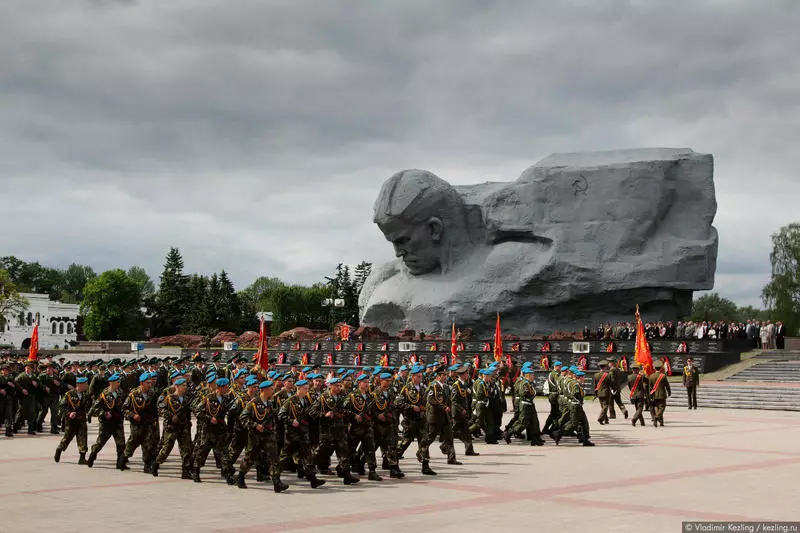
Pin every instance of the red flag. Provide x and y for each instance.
(642, 355)
(385, 360)
(262, 355)
(611, 348)
(33, 350)
(498, 341)
(453, 345)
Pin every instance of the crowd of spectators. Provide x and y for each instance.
(762, 334)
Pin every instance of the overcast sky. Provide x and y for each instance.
(254, 135)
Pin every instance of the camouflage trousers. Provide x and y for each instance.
(330, 442)
(48, 404)
(261, 450)
(574, 421)
(297, 447)
(413, 429)
(74, 429)
(146, 436)
(26, 412)
(106, 432)
(485, 420)
(436, 426)
(363, 436)
(238, 441)
(184, 439)
(527, 420)
(209, 440)
(461, 423)
(555, 413)
(385, 436)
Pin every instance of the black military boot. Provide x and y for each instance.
(278, 485)
(349, 478)
(507, 436)
(361, 469)
(218, 459)
(57, 456)
(154, 468)
(396, 473)
(470, 452)
(186, 473)
(146, 468)
(426, 469)
(240, 480)
(537, 441)
(9, 431)
(315, 481)
(196, 475)
(230, 477)
(385, 464)
(90, 461)
(122, 463)
(259, 474)
(556, 435)
(373, 476)
(587, 442)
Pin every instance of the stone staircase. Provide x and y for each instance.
(739, 396)
(770, 371)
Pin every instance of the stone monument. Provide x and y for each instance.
(579, 239)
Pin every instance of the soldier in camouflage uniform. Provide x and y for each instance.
(360, 411)
(211, 410)
(260, 417)
(437, 422)
(385, 429)
(75, 405)
(27, 383)
(526, 418)
(176, 409)
(330, 410)
(460, 401)
(141, 410)
(484, 418)
(295, 416)
(245, 391)
(8, 400)
(574, 418)
(411, 402)
(552, 396)
(108, 410)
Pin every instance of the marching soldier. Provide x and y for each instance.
(385, 427)
(329, 409)
(141, 410)
(411, 402)
(602, 390)
(659, 392)
(618, 380)
(260, 417)
(27, 384)
(8, 400)
(552, 397)
(108, 410)
(637, 383)
(460, 400)
(176, 410)
(437, 423)
(360, 410)
(526, 420)
(211, 409)
(238, 432)
(295, 416)
(484, 418)
(75, 405)
(48, 401)
(691, 380)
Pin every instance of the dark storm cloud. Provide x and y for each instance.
(255, 135)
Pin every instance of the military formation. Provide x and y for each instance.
(298, 420)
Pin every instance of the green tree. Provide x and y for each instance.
(198, 318)
(360, 275)
(171, 298)
(146, 287)
(782, 293)
(11, 303)
(75, 278)
(259, 293)
(111, 307)
(713, 307)
(298, 306)
(230, 308)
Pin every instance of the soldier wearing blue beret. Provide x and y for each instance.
(108, 410)
(295, 415)
(75, 406)
(175, 408)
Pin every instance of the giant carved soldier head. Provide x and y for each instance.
(425, 219)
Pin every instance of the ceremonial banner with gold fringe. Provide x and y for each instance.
(498, 341)
(33, 349)
(642, 356)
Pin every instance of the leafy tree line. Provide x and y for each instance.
(714, 308)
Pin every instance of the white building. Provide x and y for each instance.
(57, 323)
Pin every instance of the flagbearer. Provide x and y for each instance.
(638, 383)
(659, 391)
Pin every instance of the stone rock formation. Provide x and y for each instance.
(579, 238)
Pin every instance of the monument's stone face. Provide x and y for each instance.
(578, 239)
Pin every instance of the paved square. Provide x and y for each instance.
(703, 465)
